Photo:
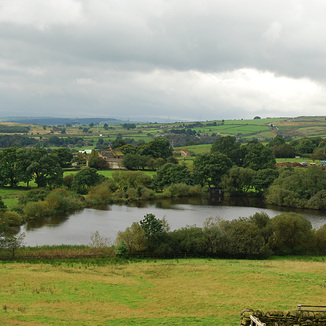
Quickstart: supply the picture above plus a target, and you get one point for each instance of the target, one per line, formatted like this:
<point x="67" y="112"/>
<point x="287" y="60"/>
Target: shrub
<point x="320" y="240"/>
<point x="291" y="234"/>
<point x="36" y="209"/>
<point x="59" y="200"/>
<point x="119" y="194"/>
<point x="10" y="221"/>
<point x="97" y="241"/>
<point x="133" y="237"/>
<point x="179" y="190"/>
<point x="189" y="240"/>
<point x="131" y="194"/>
<point x="34" y="195"/>
<point x="317" y="201"/>
<point x="147" y="194"/>
<point x="68" y="180"/>
<point x="242" y="239"/>
<point x="100" y="193"/>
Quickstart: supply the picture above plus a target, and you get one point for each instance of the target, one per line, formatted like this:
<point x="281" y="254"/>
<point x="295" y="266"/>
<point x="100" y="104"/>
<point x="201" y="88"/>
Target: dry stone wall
<point x="284" y="318"/>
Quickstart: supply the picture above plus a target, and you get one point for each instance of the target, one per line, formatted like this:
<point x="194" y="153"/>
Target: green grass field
<point x="155" y="292"/>
<point x="108" y="173"/>
<point x="10" y="196"/>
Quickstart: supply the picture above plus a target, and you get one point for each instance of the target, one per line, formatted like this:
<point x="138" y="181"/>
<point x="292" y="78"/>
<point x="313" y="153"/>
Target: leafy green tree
<point x="55" y="141"/>
<point x="320" y="240"/>
<point x="155" y="230"/>
<point x="129" y="126"/>
<point x="98" y="163"/>
<point x="213" y="236"/>
<point x="25" y="158"/>
<point x="294" y="188"/>
<point x="258" y="157"/>
<point x="229" y="146"/>
<point x="171" y="173"/>
<point x="317" y="201"/>
<point x="209" y="168"/>
<point x="291" y="234"/>
<point x="262" y="179"/>
<point x="100" y="193"/>
<point x="118" y="143"/>
<point x="10" y="222"/>
<point x="319" y="154"/>
<point x="238" y="181"/>
<point x="133" y="237"/>
<point x="134" y="161"/>
<point x="8" y="167"/>
<point x="285" y="150"/>
<point x="60" y="201"/>
<point x="305" y="146"/>
<point x="129" y="149"/>
<point x="64" y="156"/>
<point x="189" y="240"/>
<point x="277" y="141"/>
<point x="68" y="180"/>
<point x="159" y="147"/>
<point x="133" y="179"/>
<point x="242" y="238"/>
<point x="47" y="170"/>
<point x="93" y="155"/>
<point x="86" y="178"/>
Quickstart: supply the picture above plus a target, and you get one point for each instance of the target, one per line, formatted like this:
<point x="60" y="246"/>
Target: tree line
<point x="25" y="164"/>
<point x="258" y="236"/>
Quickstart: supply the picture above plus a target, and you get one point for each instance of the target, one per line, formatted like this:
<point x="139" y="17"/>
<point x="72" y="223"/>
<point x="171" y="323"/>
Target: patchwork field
<point x="155" y="292"/>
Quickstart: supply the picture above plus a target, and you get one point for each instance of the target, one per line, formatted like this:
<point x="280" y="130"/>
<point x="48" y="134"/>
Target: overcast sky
<point x="162" y="59"/>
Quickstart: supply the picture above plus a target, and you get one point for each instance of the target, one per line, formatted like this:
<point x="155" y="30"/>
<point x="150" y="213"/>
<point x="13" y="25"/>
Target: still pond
<point x="76" y="229"/>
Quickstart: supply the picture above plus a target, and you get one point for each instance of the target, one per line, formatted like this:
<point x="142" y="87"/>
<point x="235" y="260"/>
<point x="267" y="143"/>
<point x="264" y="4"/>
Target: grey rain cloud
<point x="159" y="59"/>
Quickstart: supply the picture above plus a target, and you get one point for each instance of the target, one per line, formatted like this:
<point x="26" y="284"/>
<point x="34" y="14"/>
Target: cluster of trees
<point x="14" y="129"/>
<point x="16" y="140"/>
<point x="302" y="188"/>
<point x="41" y="203"/>
<point x="151" y="155"/>
<point x="190" y="139"/>
<point x="134" y="186"/>
<point x="62" y="141"/>
<point x="24" y="164"/>
<point x="258" y="236"/>
<point x="235" y="168"/>
<point x="129" y="126"/>
<point x="242" y="181"/>
<point x="313" y="147"/>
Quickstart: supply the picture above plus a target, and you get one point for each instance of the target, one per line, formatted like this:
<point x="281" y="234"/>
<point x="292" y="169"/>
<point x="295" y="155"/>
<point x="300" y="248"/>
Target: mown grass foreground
<point x="155" y="292"/>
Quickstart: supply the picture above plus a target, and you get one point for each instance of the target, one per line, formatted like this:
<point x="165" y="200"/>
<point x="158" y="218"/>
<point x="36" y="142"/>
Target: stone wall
<point x="284" y="318"/>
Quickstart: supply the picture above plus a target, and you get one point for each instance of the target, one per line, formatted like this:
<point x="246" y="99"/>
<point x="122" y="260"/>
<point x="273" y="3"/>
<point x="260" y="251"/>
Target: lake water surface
<point x="78" y="227"/>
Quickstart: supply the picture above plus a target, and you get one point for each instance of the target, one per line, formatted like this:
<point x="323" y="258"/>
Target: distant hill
<point x="50" y="121"/>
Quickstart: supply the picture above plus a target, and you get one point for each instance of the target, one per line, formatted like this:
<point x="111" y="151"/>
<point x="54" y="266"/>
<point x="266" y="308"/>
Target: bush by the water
<point x="258" y="236"/>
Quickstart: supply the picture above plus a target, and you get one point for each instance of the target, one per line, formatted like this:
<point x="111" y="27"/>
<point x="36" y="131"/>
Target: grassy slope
<point x="173" y="292"/>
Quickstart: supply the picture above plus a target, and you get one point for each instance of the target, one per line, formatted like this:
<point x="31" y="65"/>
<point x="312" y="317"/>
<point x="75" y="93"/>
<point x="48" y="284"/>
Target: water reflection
<point x="50" y="221"/>
<point x="108" y="220"/>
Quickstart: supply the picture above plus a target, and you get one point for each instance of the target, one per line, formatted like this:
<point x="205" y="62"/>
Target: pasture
<point x="155" y="292"/>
